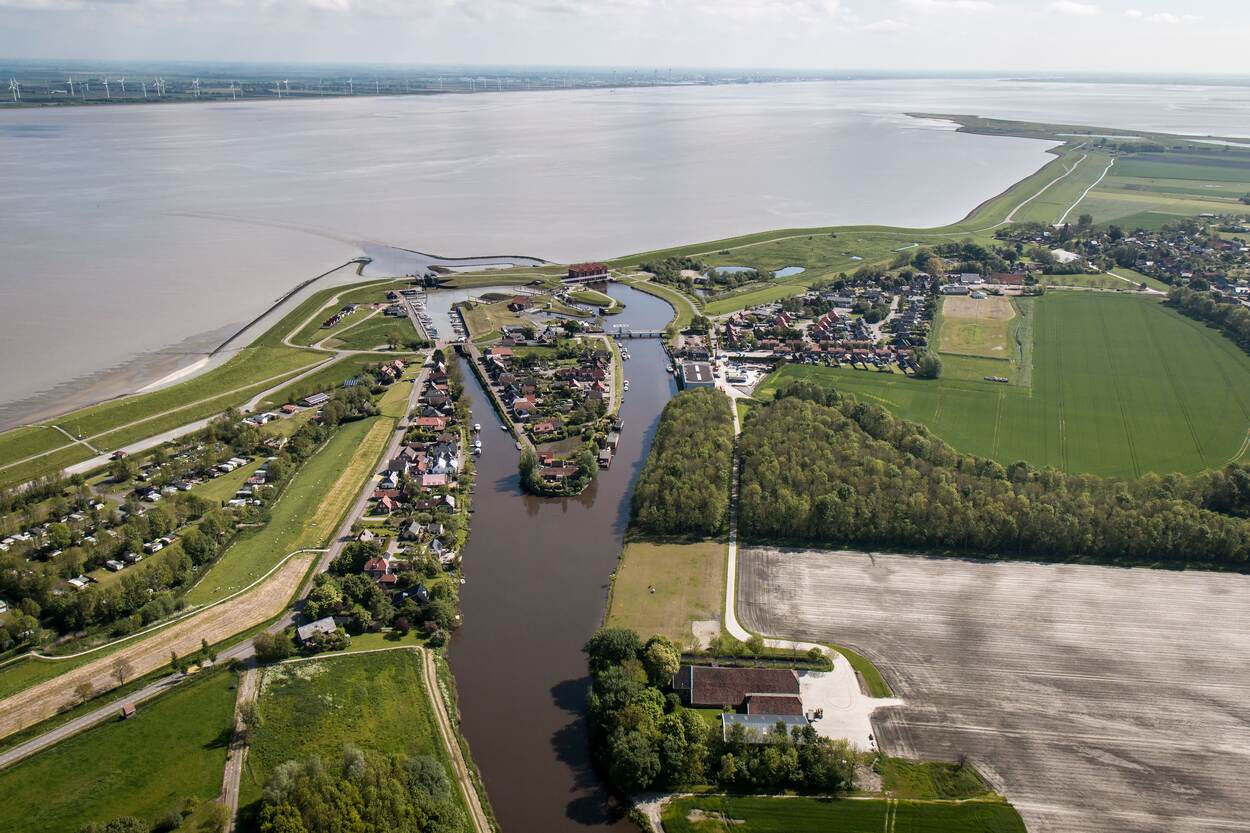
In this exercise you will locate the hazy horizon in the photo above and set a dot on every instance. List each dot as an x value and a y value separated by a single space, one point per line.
996 36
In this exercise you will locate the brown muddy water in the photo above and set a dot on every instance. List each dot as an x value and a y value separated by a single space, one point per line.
538 573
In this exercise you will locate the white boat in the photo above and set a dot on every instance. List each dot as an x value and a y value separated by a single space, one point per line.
477 443
477 426
503 428
477 451
518 446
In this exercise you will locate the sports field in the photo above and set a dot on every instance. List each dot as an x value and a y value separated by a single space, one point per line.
972 327
1120 386
731 814
688 582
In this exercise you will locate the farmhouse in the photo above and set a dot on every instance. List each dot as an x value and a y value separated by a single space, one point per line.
307 632
703 686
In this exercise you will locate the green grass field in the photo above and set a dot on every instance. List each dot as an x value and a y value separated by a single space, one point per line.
298 519
932 780
1120 386
374 333
173 749
689 582
327 378
375 701
27 440
726 814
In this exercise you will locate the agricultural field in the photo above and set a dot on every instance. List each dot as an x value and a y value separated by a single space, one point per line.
173 749
689 583
305 515
743 814
375 701
1120 386
41 700
1095 699
1151 189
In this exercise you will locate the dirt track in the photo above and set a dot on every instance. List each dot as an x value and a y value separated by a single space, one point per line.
1099 700
215 624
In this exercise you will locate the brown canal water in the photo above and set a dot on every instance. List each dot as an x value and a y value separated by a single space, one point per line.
537 580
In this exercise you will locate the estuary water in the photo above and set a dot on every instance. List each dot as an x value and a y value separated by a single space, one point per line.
135 238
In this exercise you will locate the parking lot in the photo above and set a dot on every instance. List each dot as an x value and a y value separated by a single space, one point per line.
1097 699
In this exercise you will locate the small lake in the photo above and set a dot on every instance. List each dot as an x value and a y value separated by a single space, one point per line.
789 271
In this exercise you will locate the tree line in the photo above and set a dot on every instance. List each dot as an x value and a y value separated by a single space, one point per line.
684 486
821 467
1231 319
363 793
643 738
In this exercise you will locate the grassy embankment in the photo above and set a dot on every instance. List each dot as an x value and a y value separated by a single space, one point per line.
172 750
374 701
307 513
729 814
1120 386
329 377
826 251
1180 177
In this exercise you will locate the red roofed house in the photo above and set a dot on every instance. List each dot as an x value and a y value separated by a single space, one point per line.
703 686
588 270
377 567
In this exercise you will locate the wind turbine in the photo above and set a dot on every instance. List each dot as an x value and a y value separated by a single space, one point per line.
350 90
16 89
278 85
107 94
195 87
144 84
234 90
288 88
160 86
122 81
70 79
377 87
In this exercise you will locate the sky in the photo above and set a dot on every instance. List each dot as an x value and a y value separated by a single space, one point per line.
1156 36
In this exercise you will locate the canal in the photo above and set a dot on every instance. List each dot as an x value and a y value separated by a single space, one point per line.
537 575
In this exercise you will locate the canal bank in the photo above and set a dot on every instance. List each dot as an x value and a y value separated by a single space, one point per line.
538 571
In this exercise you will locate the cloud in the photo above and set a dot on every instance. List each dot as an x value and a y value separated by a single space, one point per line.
941 6
889 24
1164 18
1073 8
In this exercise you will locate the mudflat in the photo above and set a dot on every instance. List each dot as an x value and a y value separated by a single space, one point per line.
1097 699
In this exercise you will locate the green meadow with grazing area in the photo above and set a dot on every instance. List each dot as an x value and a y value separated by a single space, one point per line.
743 814
173 749
374 701
1120 386
295 521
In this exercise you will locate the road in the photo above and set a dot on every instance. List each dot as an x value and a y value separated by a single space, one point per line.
86 721
236 756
